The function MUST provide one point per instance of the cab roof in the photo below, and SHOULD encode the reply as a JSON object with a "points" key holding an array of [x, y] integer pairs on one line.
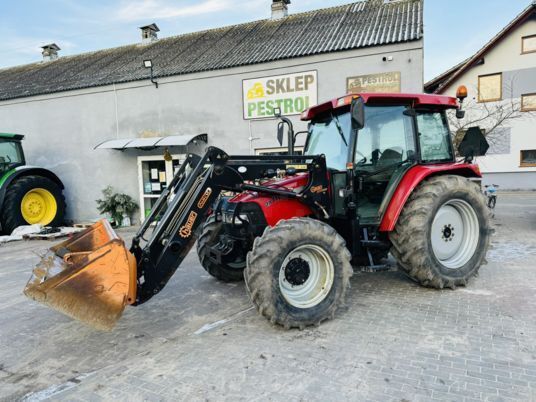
{"points": [[10, 136], [416, 100]]}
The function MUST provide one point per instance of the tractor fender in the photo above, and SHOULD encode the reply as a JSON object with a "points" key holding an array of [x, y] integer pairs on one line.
{"points": [[412, 179], [22, 171]]}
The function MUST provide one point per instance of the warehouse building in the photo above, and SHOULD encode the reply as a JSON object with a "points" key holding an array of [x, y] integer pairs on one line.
{"points": [[126, 116], [501, 83]]}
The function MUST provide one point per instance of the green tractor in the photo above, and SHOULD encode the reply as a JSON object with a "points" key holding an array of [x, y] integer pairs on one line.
{"points": [[28, 195]]}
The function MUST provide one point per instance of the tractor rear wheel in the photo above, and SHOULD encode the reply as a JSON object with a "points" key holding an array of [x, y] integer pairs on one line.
{"points": [[298, 273], [443, 233], [32, 200], [231, 268]]}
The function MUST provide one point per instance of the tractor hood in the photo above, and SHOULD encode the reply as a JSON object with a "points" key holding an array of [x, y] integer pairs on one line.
{"points": [[276, 208], [292, 183]]}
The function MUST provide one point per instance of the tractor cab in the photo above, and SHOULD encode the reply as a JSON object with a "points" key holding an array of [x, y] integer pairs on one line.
{"points": [[372, 140], [11, 153]]}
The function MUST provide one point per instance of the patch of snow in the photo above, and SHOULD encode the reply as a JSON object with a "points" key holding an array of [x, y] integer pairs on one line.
{"points": [[19, 232]]}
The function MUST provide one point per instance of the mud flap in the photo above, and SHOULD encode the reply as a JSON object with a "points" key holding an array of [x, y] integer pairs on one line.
{"points": [[91, 277]]}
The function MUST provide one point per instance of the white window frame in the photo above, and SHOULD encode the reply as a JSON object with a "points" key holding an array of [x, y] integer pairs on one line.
{"points": [[523, 51], [480, 99], [527, 108]]}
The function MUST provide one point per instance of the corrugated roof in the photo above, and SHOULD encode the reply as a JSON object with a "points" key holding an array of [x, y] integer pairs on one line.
{"points": [[352, 26]]}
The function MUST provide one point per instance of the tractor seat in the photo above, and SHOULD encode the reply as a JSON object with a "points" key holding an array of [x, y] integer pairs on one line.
{"points": [[391, 156]]}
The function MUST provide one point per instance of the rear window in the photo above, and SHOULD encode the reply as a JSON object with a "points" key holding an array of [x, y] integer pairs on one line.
{"points": [[434, 137]]}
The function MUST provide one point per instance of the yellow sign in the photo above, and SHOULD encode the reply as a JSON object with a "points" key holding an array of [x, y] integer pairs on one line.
{"points": [[297, 167], [257, 91], [292, 93], [384, 82]]}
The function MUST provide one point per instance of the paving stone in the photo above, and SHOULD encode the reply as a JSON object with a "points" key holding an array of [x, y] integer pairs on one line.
{"points": [[395, 342]]}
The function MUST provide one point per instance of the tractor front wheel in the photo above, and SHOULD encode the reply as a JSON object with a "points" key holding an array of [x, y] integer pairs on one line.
{"points": [[298, 273], [443, 233], [32, 200], [231, 266]]}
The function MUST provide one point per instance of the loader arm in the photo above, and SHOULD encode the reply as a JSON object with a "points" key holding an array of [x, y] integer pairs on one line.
{"points": [[177, 214], [184, 206], [92, 276]]}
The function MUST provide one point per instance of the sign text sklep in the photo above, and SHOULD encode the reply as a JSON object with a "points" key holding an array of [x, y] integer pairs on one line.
{"points": [[293, 93]]}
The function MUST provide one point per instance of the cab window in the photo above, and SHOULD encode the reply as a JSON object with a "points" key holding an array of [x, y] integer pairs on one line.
{"points": [[330, 135], [10, 152], [387, 138], [434, 137]]}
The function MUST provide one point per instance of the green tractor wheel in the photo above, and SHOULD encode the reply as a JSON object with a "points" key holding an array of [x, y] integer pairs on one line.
{"points": [[32, 200]]}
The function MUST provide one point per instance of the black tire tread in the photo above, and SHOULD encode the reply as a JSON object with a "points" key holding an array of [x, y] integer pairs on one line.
{"points": [[258, 272], [222, 273], [11, 217], [409, 247]]}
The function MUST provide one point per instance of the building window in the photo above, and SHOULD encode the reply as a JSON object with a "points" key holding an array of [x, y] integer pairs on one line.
{"points": [[528, 44], [528, 158], [528, 103], [490, 88]]}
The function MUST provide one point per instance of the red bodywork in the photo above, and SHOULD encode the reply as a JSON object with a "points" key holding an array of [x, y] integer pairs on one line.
{"points": [[278, 208], [412, 179]]}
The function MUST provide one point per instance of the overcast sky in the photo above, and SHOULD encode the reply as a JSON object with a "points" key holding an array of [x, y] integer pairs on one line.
{"points": [[454, 29]]}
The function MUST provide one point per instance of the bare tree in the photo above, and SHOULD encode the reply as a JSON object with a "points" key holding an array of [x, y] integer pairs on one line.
{"points": [[491, 117]]}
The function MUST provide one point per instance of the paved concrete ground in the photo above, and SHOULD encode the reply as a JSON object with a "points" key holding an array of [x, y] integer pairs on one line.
{"points": [[200, 339]]}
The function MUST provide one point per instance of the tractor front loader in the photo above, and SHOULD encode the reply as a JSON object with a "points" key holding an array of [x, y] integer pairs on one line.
{"points": [[378, 174]]}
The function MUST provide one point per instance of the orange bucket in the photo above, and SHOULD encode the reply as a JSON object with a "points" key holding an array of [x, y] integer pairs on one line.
{"points": [[91, 277]]}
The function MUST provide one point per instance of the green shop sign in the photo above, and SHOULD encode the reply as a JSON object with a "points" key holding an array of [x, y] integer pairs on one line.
{"points": [[293, 93]]}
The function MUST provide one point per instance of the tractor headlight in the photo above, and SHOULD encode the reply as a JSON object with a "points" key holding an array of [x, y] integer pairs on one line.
{"points": [[238, 220], [231, 219], [227, 217]]}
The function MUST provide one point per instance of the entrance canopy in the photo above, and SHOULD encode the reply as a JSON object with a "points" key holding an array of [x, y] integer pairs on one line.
{"points": [[153, 142]]}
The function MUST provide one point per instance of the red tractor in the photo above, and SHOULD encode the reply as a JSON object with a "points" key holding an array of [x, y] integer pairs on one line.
{"points": [[378, 174]]}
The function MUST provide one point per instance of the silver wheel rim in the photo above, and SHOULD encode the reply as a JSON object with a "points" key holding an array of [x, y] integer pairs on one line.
{"points": [[455, 234], [316, 287]]}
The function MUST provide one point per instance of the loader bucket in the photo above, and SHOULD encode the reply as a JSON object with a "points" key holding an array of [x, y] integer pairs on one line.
{"points": [[91, 277]]}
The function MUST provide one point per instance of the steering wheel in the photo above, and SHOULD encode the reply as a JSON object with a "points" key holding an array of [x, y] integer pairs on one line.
{"points": [[363, 158]]}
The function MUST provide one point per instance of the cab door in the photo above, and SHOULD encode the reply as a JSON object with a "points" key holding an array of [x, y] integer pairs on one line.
{"points": [[384, 152]]}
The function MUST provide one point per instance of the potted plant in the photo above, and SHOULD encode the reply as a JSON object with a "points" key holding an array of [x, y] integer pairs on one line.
{"points": [[119, 207]]}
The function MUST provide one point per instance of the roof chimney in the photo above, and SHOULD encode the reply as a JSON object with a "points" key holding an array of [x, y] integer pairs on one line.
{"points": [[50, 52], [148, 33], [279, 9]]}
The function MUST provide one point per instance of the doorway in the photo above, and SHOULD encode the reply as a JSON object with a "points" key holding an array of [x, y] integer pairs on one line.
{"points": [[154, 176]]}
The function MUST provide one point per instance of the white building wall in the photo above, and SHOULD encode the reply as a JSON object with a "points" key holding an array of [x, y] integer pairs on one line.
{"points": [[62, 129], [519, 77]]}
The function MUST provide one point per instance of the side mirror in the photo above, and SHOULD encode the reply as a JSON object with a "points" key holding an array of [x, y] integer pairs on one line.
{"points": [[358, 113], [281, 132]]}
